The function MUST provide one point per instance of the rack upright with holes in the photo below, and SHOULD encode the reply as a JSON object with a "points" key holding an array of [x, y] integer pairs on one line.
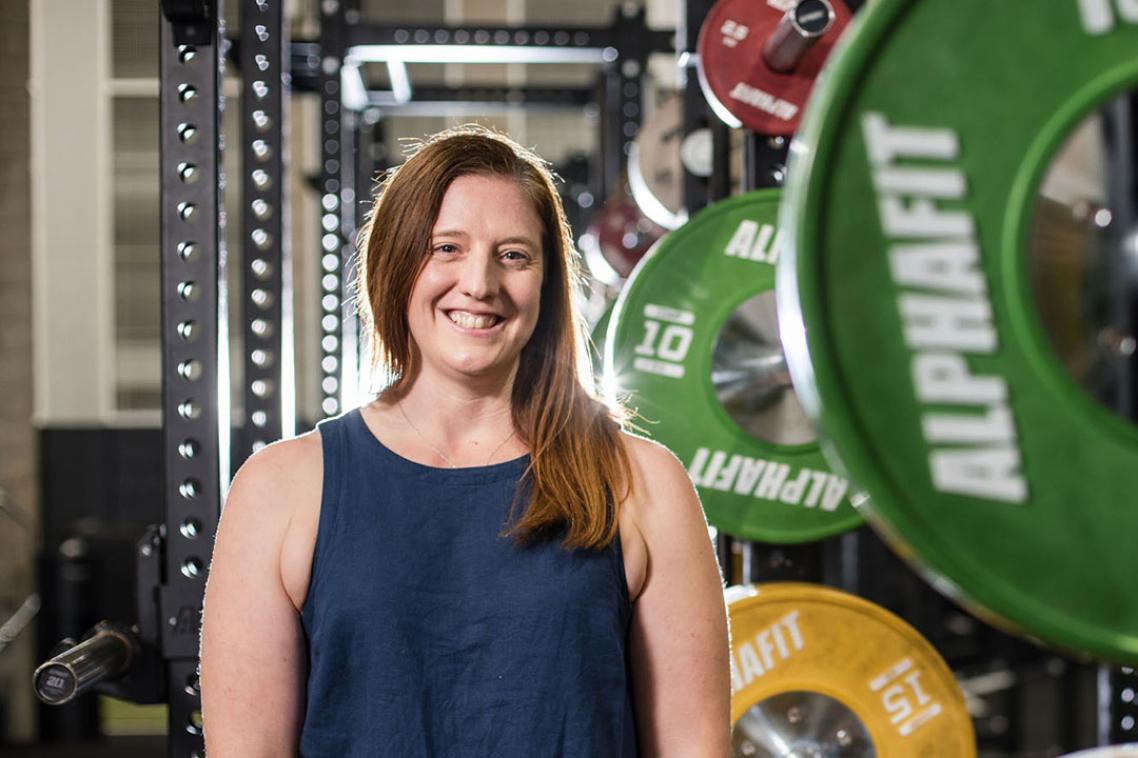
{"points": [[1118, 701], [192, 251], [266, 305]]}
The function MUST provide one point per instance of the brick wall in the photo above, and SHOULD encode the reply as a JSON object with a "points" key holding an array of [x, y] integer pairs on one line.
{"points": [[17, 440]]}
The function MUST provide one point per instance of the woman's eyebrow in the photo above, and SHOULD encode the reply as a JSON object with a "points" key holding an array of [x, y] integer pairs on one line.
{"points": [[517, 241]]}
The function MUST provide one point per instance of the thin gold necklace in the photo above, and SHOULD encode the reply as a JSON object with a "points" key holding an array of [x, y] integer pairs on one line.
{"points": [[438, 452]]}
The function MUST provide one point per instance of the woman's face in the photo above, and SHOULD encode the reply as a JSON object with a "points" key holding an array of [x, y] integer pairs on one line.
{"points": [[475, 304]]}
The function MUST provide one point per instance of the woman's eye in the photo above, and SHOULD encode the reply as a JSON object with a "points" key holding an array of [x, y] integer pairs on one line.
{"points": [[515, 255], [445, 248]]}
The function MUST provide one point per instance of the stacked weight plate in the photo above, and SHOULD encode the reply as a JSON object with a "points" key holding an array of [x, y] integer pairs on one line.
{"points": [[694, 339], [617, 237], [748, 78], [911, 302], [819, 672]]}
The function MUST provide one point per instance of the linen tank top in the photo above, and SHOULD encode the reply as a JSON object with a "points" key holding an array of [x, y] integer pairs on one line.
{"points": [[432, 636]]}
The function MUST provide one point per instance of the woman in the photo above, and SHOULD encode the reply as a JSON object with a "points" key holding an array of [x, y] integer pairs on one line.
{"points": [[479, 562]]}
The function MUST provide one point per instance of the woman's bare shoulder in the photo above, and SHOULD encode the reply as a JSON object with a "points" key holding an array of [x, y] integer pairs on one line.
{"points": [[274, 486], [282, 467], [653, 465], [662, 496]]}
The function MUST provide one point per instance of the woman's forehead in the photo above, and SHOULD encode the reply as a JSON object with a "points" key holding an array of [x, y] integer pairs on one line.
{"points": [[476, 204]]}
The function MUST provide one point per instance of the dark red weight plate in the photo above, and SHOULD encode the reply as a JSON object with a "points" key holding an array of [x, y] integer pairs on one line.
{"points": [[621, 234], [740, 86]]}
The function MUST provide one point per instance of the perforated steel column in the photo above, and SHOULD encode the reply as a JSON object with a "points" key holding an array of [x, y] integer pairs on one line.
{"points": [[267, 300], [194, 363], [1118, 691], [631, 96], [1117, 705], [698, 192], [332, 241], [620, 118]]}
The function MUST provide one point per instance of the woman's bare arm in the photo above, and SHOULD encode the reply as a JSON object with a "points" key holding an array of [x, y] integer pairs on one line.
{"points": [[253, 660], [681, 673]]}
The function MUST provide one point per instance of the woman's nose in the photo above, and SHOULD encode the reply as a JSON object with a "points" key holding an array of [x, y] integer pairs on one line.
{"points": [[479, 276]]}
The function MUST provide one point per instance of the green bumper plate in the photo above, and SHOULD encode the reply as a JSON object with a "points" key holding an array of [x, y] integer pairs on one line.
{"points": [[659, 348], [908, 319]]}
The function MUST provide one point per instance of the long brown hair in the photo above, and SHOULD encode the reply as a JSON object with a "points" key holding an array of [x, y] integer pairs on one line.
{"points": [[579, 470]]}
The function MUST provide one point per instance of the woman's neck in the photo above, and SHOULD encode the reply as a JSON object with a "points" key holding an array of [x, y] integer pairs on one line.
{"points": [[461, 420], [459, 409]]}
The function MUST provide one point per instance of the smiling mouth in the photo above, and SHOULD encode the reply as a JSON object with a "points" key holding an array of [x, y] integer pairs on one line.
{"points": [[471, 321]]}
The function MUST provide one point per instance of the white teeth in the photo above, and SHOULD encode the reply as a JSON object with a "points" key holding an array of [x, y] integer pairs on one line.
{"points": [[470, 321]]}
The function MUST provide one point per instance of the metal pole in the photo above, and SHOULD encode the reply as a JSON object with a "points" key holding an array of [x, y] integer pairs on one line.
{"points": [[266, 304], [194, 361]]}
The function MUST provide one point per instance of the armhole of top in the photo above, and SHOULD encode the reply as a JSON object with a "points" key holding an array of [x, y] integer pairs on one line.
{"points": [[330, 443], [622, 574]]}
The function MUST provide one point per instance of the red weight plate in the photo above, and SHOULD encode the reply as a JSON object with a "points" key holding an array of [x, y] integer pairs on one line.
{"points": [[736, 80], [622, 234]]}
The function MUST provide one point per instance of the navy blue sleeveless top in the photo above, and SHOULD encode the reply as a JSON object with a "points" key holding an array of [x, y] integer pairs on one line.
{"points": [[432, 636]]}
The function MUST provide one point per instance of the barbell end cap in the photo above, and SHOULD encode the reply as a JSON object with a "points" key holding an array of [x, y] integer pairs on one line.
{"points": [[800, 28], [54, 684]]}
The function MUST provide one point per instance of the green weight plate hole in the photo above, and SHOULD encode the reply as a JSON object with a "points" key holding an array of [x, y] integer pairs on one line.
{"points": [[750, 377], [1081, 253]]}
